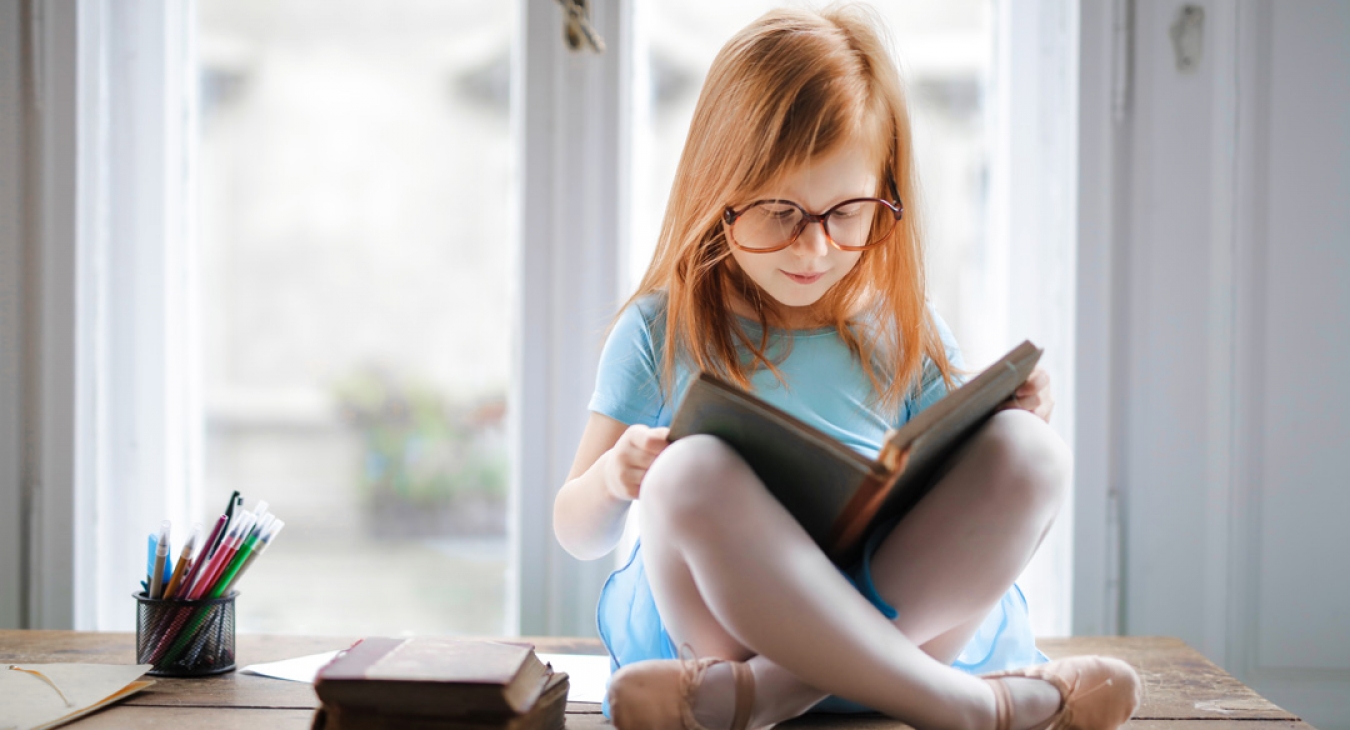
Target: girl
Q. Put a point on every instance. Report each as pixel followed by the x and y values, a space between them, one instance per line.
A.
pixel 789 264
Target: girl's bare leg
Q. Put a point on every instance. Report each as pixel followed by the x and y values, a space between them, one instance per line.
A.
pixel 734 576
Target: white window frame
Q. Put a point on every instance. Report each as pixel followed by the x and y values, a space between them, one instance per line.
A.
pixel 100 371
pixel 571 110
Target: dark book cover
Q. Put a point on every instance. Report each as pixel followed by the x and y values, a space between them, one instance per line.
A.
pixel 837 494
pixel 547 713
pixel 435 677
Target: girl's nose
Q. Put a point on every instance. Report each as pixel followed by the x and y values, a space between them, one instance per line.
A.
pixel 813 240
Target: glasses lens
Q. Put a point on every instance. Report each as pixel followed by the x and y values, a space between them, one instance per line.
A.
pixel 771 224
pixel 860 223
pixel 766 225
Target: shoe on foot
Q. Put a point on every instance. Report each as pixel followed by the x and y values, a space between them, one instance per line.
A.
pixel 658 694
pixel 1096 692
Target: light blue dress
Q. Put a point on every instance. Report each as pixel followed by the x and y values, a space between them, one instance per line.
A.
pixel 827 388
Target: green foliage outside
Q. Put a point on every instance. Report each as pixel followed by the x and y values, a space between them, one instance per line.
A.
pixel 420 448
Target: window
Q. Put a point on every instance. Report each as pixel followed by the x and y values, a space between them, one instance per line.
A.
pixel 302 349
pixel 354 172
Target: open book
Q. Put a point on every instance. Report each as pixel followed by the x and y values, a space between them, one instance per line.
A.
pixel 837 494
pixel 41 696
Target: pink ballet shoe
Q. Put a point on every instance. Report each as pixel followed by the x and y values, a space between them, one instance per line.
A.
pixel 1096 692
pixel 658 694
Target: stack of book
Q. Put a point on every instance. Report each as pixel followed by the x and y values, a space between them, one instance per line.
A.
pixel 434 683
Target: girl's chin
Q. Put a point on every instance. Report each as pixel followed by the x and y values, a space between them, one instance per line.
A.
pixel 796 302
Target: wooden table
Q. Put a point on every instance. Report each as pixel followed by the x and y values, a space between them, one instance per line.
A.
pixel 1182 689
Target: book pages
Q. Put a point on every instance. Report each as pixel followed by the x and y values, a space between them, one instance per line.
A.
pixel 41 696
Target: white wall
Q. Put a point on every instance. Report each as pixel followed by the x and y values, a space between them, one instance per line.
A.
pixel 1225 327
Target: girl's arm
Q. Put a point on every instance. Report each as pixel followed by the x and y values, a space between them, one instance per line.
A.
pixel 589 511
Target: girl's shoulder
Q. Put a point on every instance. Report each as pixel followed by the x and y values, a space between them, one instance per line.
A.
pixel 644 317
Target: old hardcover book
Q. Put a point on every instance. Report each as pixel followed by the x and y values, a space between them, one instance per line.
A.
pixel 547 713
pixel 836 493
pixel 435 677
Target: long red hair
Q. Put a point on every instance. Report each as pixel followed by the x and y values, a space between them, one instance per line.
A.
pixel 791 86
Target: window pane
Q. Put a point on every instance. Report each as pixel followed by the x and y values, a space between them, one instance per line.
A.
pixel 354 193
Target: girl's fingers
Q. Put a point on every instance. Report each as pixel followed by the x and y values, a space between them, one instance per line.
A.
pixel 655 441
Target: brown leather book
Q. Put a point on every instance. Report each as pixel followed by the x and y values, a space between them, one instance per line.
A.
pixel 475 681
pixel 548 713
pixel 836 493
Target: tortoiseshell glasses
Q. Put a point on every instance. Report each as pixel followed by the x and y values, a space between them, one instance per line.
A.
pixel 765 226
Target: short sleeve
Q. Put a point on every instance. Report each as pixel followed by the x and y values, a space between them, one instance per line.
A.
pixel 627 383
pixel 932 387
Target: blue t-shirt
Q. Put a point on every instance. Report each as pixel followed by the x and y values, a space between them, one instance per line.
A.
pixel 825 386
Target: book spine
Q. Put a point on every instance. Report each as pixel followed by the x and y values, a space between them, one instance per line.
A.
pixel 852 523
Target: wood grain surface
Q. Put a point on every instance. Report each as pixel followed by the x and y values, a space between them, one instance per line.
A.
pixel 1183 689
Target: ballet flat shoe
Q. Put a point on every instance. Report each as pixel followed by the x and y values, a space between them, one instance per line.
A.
pixel 1096 692
pixel 658 694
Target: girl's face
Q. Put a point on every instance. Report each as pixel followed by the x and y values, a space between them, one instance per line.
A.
pixel 799 275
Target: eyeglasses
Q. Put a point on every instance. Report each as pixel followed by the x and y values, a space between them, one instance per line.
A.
pixel 765 226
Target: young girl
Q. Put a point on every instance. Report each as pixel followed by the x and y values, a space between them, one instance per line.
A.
pixel 788 263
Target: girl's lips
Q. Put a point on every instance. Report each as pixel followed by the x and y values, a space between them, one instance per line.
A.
pixel 804 278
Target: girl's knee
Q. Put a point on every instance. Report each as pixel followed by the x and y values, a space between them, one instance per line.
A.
pixel 1035 463
pixel 691 474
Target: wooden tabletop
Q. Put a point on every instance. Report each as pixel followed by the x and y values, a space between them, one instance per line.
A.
pixel 1182 689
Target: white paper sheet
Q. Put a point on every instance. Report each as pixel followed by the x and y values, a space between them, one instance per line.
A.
pixel 587 675
pixel 299 669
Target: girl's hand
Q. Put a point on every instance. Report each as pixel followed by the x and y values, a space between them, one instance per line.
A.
pixel 1034 395
pixel 632 455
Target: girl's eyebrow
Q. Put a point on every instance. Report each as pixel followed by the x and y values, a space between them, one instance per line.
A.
pixel 835 200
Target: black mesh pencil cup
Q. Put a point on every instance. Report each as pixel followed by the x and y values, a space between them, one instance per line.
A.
pixel 185 638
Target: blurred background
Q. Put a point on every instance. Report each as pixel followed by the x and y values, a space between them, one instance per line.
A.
pixel 354 182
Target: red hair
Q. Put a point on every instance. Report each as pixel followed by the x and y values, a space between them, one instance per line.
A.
pixel 792 86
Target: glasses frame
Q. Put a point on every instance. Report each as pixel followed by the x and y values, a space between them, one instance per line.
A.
pixel 731 215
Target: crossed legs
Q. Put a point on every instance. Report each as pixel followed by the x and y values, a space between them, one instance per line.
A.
pixel 736 577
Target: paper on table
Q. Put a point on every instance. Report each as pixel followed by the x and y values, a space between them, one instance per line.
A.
pixel 586 674
pixel 299 669
pixel 41 696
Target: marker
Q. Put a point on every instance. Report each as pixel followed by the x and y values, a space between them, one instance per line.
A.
pixel 229 517
pixel 202 556
pixel 161 557
pixel 241 556
pixel 184 558
pixel 265 540
pixel 150 543
pixel 208 563
pixel 223 555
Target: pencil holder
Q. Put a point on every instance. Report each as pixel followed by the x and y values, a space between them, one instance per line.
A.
pixel 185 638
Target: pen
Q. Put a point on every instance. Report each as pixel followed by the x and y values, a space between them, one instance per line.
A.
pixel 149 562
pixel 229 517
pixel 171 651
pixel 201 583
pixel 223 554
pixel 203 555
pixel 264 541
pixel 184 558
pixel 161 555
pixel 240 557
pixel 174 642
